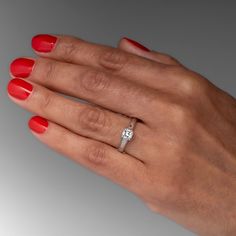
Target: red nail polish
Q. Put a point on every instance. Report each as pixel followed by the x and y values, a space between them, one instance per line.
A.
pixel 43 42
pixel 19 89
pixel 22 67
pixel 38 124
pixel 138 45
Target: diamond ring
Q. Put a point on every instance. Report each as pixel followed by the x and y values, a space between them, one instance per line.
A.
pixel 127 135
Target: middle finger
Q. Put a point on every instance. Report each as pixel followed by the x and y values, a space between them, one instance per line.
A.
pixel 94 85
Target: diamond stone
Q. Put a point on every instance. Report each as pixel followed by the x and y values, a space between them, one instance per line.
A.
pixel 127 134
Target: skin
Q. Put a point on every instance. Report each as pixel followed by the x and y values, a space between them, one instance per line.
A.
pixel 182 160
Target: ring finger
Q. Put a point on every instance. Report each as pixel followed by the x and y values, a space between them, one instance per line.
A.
pixel 85 119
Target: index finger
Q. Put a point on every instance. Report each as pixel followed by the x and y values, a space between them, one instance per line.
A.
pixel 78 51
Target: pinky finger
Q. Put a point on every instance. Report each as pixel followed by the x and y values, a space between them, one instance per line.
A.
pixel 99 157
pixel 136 48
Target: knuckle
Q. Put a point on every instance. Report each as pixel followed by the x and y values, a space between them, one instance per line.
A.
pixel 195 88
pixel 69 48
pixel 191 84
pixel 93 119
pixel 46 102
pixel 95 80
pixel 97 154
pixel 49 70
pixel 113 59
pixel 190 87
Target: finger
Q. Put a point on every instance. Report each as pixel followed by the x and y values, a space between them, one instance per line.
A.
pixel 116 61
pixel 93 85
pixel 138 49
pixel 84 119
pixel 97 156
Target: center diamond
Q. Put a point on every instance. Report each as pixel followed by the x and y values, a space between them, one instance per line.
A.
pixel 127 134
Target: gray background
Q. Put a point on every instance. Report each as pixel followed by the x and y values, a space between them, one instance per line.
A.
pixel 43 193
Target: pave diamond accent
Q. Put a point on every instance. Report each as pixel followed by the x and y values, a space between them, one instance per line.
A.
pixel 127 134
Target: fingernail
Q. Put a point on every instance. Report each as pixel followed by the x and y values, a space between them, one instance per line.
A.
pixel 19 89
pixel 22 67
pixel 136 44
pixel 38 124
pixel 43 42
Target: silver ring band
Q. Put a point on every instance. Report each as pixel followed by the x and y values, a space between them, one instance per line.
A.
pixel 127 135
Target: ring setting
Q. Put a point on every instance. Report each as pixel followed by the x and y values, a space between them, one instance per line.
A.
pixel 127 135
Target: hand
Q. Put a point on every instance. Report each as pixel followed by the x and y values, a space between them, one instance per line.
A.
pixel 182 160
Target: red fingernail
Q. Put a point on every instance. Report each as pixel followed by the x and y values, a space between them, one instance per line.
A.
pixel 38 124
pixel 19 89
pixel 43 42
pixel 138 45
pixel 22 67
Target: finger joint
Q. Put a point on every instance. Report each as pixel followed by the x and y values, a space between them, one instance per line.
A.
pixel 93 119
pixel 97 154
pixel 113 59
pixel 49 73
pixel 95 80
pixel 69 49
pixel 46 102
